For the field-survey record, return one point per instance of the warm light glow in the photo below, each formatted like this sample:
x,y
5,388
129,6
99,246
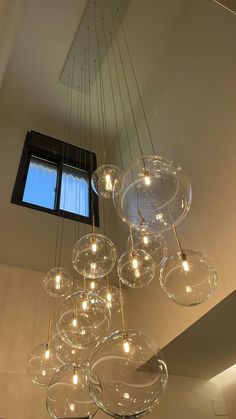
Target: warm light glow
x,y
72,407
109,304
47,354
108,183
83,332
185,265
92,285
43,373
126,346
94,247
74,322
147,180
188,289
135,263
109,296
58,282
75,378
159,216
137,273
126,396
84,304
145,239
93,266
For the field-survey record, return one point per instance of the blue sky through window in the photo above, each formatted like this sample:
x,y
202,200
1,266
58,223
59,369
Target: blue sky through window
x,y
40,187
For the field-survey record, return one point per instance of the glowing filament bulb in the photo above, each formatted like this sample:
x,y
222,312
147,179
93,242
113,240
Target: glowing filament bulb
x,y
84,304
185,265
147,180
126,346
58,282
94,247
47,353
43,373
188,289
75,378
93,266
74,322
145,239
72,407
92,285
109,296
108,182
135,263
137,273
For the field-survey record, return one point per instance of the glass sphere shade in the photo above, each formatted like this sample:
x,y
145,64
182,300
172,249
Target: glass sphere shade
x,y
94,256
83,320
103,180
189,278
136,268
153,194
42,364
58,282
154,244
132,373
68,354
69,396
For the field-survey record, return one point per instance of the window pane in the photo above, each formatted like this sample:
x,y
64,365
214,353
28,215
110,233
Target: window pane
x,y
41,182
75,191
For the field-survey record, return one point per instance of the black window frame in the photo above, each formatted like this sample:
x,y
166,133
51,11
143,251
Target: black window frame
x,y
59,152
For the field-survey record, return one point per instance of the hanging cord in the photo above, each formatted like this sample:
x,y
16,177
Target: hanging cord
x,y
49,325
136,81
112,91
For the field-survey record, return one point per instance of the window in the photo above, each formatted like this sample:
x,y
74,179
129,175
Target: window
x,y
54,176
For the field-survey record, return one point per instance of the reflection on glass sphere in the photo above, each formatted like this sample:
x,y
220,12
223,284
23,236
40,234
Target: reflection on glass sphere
x,y
57,282
136,268
154,244
112,297
42,364
189,278
131,372
103,180
93,285
68,396
83,320
94,256
68,354
153,194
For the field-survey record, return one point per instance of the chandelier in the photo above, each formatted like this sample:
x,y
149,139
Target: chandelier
x,y
82,364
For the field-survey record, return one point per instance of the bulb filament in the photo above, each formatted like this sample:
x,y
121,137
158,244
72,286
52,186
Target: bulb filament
x,y
84,304
126,345
108,183
92,285
58,282
185,263
47,353
135,263
94,247
74,322
75,378
145,239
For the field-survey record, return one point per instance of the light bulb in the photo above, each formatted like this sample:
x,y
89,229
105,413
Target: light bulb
x,y
43,373
135,263
188,289
126,395
84,304
93,266
72,407
74,322
147,180
137,273
109,296
145,239
75,378
58,282
94,247
126,346
83,332
185,262
47,353
92,285
108,183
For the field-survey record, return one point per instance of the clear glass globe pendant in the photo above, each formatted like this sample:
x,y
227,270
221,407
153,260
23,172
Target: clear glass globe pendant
x,y
154,244
132,373
69,396
94,256
112,297
136,268
103,180
83,320
153,194
188,277
58,282
42,364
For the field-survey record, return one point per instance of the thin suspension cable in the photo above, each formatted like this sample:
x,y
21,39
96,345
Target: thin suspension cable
x,y
136,81
112,92
120,94
128,90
